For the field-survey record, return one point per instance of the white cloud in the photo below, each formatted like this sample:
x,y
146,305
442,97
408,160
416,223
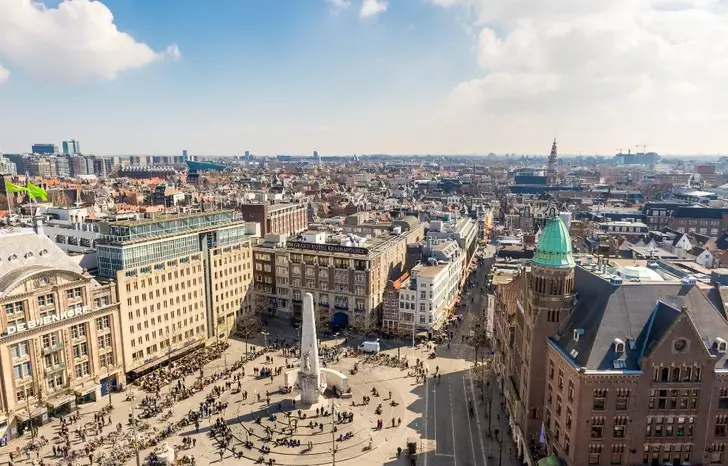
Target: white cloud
x,y
4,74
633,69
76,41
337,6
173,53
371,8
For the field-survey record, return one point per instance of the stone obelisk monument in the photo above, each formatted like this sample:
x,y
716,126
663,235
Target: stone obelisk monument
x,y
310,381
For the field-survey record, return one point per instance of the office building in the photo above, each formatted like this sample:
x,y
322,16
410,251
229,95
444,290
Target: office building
x,y
41,166
182,281
60,342
44,149
72,147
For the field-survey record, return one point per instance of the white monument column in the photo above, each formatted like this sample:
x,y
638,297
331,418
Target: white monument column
x,y
310,382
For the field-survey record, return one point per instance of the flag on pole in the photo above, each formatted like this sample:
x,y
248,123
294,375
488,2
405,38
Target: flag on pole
x,y
542,436
13,188
36,192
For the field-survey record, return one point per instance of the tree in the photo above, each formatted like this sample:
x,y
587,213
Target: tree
x,y
484,380
247,325
479,336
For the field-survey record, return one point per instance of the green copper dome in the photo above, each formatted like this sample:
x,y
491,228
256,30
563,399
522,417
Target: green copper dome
x,y
554,245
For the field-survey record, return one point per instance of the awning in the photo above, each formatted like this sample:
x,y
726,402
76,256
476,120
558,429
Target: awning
x,y
59,401
176,354
23,415
85,391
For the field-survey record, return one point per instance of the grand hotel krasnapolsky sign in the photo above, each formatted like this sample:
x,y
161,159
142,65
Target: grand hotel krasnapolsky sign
x,y
30,325
327,247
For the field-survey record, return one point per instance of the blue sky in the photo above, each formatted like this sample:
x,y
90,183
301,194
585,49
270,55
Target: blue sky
x,y
252,74
412,76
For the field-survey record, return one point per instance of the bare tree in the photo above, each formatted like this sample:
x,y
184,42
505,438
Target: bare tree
x,y
478,338
247,325
484,379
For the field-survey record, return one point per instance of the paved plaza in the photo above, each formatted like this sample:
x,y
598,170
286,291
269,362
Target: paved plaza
x,y
241,416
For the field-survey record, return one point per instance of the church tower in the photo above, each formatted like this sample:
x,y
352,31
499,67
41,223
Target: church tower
x,y
546,300
551,173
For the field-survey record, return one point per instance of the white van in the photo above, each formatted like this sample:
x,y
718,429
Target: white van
x,y
369,347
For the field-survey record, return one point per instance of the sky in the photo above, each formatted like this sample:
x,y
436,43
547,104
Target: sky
x,y
365,76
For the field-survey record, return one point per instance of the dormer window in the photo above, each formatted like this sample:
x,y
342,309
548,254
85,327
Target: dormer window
x,y
13,257
577,333
721,345
29,255
618,346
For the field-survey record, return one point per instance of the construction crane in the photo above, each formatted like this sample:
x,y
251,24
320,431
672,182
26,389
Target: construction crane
x,y
643,146
619,151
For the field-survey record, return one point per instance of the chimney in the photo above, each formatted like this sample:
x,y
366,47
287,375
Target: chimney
x,y
38,225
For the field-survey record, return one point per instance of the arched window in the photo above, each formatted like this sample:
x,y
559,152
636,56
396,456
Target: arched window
x,y
676,374
665,375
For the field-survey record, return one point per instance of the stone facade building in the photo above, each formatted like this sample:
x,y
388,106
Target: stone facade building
x,y
61,341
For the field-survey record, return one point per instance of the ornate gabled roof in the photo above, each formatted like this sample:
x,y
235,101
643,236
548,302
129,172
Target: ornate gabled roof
x,y
554,245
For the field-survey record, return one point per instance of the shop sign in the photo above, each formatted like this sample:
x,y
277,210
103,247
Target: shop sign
x,y
12,329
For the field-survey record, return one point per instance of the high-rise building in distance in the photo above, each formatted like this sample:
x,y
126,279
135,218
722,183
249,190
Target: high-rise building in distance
x,y
44,149
72,147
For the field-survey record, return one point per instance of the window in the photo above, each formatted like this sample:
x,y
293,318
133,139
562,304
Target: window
x,y
73,293
106,360
720,425
103,323
571,390
716,453
658,399
19,350
78,331
723,400
620,425
549,394
80,350
561,379
23,393
617,454
104,341
600,399
551,369
597,427
15,308
595,454
21,371
568,417
567,444
46,300
622,399
82,369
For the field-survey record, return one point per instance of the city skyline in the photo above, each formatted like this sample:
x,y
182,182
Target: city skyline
x,y
364,76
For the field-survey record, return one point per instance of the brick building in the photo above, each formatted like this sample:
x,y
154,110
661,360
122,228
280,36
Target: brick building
x,y
604,369
277,219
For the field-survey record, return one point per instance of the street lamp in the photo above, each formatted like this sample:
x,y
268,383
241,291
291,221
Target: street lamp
x,y
132,397
265,338
108,389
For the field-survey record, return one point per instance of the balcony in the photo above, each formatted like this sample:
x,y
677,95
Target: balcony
x,y
326,305
55,368
52,348
339,307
